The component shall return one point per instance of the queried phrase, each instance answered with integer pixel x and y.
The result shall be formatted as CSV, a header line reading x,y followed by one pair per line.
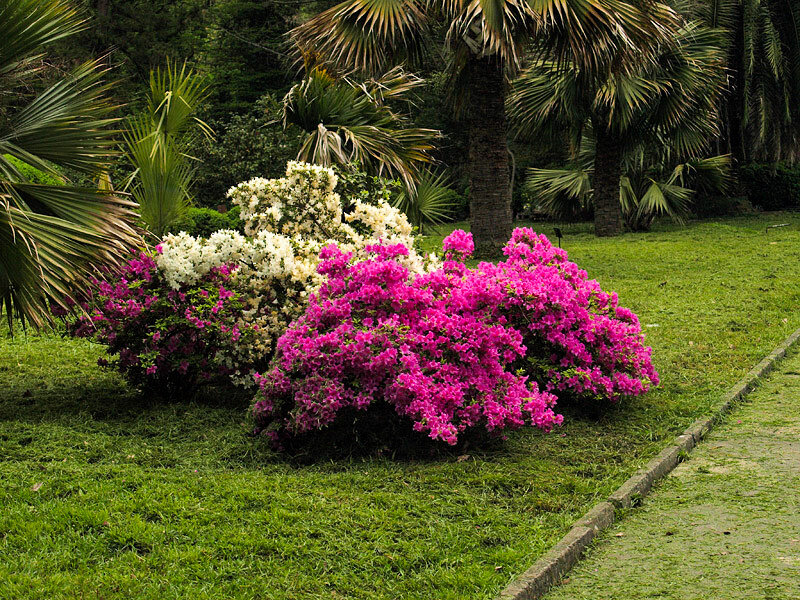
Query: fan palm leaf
x,y
52,237
561,193
30,25
430,202
364,35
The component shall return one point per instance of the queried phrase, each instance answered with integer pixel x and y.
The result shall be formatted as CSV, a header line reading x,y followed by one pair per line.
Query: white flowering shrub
x,y
274,269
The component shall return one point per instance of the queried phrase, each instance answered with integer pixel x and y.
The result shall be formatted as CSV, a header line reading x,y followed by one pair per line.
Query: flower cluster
x,y
271,271
295,205
272,277
452,348
169,339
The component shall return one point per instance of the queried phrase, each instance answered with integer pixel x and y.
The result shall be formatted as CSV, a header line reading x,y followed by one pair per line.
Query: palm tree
x,y
158,142
761,109
485,41
670,98
52,235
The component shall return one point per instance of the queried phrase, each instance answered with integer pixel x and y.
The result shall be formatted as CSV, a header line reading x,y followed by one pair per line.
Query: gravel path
x,y
725,525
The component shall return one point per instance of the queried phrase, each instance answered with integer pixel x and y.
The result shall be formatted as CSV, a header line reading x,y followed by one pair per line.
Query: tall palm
x,y
486,41
51,236
671,95
762,103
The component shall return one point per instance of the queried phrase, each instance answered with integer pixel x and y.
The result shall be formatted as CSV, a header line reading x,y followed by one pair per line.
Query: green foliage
x,y
32,174
52,232
253,144
202,222
715,206
157,142
772,187
354,184
243,52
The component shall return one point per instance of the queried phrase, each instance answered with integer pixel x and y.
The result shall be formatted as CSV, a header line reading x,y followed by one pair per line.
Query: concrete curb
x,y
551,568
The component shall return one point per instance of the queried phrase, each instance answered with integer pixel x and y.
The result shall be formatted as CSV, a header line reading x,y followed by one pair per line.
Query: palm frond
x,y
561,193
163,175
53,234
708,176
346,122
28,25
369,36
174,99
46,258
69,124
157,143
662,198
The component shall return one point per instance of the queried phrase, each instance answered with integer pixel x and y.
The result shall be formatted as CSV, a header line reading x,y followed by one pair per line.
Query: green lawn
x,y
105,495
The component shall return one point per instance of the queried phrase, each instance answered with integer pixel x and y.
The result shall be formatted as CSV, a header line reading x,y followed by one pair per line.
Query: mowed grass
x,y
105,494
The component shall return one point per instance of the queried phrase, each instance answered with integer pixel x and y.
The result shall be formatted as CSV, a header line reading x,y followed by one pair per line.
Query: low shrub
x,y
253,144
772,187
32,174
169,341
453,349
720,206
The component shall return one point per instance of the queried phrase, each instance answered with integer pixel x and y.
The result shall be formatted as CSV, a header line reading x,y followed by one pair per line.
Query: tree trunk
x,y
490,186
607,173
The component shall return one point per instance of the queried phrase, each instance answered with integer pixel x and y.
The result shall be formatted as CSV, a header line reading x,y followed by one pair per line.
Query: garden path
x,y
725,525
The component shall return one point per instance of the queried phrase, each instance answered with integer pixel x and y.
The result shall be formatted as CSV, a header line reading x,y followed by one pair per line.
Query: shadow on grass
x,y
380,433
110,402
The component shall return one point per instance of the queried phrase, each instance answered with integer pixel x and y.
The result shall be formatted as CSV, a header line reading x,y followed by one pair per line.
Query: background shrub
x,y
249,145
202,222
772,187
32,174
721,206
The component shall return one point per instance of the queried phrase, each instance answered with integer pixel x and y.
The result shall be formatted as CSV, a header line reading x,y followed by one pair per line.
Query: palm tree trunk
x,y
490,186
607,173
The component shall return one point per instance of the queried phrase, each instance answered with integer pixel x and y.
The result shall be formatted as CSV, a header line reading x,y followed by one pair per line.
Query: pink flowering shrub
x,y
579,341
374,333
170,340
454,349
